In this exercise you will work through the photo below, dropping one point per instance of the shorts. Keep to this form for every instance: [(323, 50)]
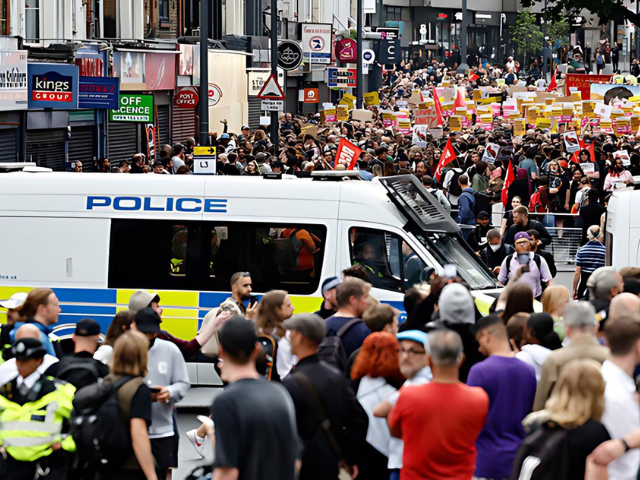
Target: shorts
[(165, 451)]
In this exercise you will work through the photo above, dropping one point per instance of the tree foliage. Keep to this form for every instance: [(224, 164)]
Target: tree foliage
[(558, 31), (527, 35), (605, 9)]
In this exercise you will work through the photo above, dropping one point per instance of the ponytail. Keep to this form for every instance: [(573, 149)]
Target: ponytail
[(35, 298)]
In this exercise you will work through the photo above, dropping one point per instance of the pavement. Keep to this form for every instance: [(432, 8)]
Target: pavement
[(188, 459)]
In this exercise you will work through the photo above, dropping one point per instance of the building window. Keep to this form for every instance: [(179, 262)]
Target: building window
[(163, 7), (32, 20), (393, 14)]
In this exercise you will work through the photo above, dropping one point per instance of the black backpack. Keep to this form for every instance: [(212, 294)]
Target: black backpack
[(543, 455), (285, 252), (454, 186), (331, 349), (266, 362), (79, 372), (482, 203), (100, 426)]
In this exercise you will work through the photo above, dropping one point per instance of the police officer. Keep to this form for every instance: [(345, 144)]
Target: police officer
[(34, 419)]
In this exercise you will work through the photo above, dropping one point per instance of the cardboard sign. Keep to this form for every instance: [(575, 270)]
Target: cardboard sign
[(348, 100), (543, 123), (371, 99), (362, 115), (419, 137), (342, 113), (623, 126), (404, 127), (455, 123), (389, 120), (606, 125), (330, 115), (623, 155), (519, 127), (491, 152), (571, 141)]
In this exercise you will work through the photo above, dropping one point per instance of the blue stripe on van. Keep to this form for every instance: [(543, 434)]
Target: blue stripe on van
[(103, 321), (88, 310), (86, 295)]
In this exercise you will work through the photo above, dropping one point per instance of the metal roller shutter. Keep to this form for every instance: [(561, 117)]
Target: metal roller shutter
[(123, 142), (255, 112), (183, 125), (46, 148), (163, 126), (81, 147), (9, 145)]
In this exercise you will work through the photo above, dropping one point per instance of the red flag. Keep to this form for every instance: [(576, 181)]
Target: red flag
[(473, 77), (507, 182), (347, 154), (575, 158), (448, 156), (436, 103), (553, 84), (460, 100)]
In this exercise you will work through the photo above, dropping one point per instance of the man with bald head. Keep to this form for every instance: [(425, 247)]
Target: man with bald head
[(624, 305), (9, 370)]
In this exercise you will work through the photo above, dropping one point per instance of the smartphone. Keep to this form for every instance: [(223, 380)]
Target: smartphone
[(523, 259), (252, 300), (450, 271), (155, 390)]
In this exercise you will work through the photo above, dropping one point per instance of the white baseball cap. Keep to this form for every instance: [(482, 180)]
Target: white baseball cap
[(16, 300)]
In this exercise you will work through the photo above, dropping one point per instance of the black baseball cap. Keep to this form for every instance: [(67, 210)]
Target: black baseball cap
[(147, 320), (238, 337), (87, 328), (483, 216), (27, 348), (486, 322)]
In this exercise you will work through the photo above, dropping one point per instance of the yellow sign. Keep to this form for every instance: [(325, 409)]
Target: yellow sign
[(543, 123), (348, 100), (635, 122), (486, 118), (532, 115), (343, 113), (371, 99), (477, 95), (635, 98), (455, 123), (519, 127), (204, 151)]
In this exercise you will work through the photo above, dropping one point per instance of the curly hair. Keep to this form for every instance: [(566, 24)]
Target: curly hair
[(378, 357)]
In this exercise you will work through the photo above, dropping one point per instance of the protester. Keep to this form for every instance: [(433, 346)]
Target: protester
[(452, 413), (603, 285), (496, 251), (539, 340), (41, 308), (522, 223), (329, 304), (589, 258), (120, 324), (13, 316), (554, 301), (548, 256)]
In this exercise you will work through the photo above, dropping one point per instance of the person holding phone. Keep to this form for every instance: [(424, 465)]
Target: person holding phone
[(534, 268)]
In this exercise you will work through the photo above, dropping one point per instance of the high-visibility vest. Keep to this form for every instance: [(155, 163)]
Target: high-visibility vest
[(28, 431), (618, 79)]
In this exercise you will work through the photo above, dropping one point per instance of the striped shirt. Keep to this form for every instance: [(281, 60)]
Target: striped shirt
[(591, 256)]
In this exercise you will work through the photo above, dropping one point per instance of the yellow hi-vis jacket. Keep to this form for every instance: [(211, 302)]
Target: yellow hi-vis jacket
[(28, 431)]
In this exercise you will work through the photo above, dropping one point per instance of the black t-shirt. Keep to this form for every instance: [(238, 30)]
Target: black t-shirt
[(256, 430), (581, 442), (141, 404)]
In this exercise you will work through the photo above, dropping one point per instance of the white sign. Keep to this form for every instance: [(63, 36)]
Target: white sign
[(571, 142), (316, 42), (256, 80), (13, 80), (273, 105), (368, 56), (215, 94), (203, 166), (490, 153)]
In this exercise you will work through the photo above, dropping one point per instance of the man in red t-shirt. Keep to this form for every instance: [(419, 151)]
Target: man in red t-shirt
[(440, 421)]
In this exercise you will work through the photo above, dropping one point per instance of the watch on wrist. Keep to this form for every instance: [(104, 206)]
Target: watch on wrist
[(626, 445)]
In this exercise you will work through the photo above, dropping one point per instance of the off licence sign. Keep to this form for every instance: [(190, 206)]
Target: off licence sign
[(133, 108)]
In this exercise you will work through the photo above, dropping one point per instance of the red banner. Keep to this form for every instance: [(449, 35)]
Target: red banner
[(583, 83), (347, 154)]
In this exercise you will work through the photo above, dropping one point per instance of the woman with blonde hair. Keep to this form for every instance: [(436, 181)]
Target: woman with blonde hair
[(275, 307), (571, 423), (131, 359), (554, 300)]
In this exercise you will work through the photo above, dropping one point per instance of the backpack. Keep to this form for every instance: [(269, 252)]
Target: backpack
[(100, 421), (331, 349), (267, 361), (535, 204), (482, 203), (285, 252), (454, 186), (79, 372), (536, 258), (543, 455)]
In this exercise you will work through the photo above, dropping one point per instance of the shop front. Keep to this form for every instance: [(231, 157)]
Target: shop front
[(13, 102)]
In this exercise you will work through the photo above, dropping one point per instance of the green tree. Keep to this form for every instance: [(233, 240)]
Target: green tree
[(558, 31), (605, 9), (527, 36)]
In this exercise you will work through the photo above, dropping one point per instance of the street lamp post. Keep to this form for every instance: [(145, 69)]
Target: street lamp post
[(359, 66), (544, 42), (274, 68), (204, 72)]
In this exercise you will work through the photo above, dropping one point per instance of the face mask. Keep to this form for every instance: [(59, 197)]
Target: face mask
[(494, 247)]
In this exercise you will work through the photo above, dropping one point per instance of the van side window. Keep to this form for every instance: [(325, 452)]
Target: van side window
[(390, 262), (203, 255)]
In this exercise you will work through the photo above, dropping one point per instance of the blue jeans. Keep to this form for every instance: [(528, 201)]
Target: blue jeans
[(395, 475)]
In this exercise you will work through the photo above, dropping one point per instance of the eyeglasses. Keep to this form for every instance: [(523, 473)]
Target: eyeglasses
[(522, 242), (411, 351)]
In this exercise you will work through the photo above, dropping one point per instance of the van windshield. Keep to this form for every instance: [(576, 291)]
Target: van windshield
[(447, 249)]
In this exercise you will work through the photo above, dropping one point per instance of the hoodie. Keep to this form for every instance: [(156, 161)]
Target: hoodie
[(45, 331), (534, 355)]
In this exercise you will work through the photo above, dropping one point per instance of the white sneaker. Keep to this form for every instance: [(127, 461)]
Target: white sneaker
[(196, 441)]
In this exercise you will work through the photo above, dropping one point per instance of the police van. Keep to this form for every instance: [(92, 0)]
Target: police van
[(622, 232), (96, 238)]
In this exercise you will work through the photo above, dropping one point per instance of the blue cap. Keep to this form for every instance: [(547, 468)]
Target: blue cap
[(224, 135), (330, 283), (417, 336)]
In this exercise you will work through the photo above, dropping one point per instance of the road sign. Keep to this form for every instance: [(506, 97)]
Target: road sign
[(289, 54), (271, 90), (368, 56), (273, 105), (204, 160)]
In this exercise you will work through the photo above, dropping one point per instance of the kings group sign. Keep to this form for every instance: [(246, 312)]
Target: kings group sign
[(53, 86), (186, 97), (583, 83)]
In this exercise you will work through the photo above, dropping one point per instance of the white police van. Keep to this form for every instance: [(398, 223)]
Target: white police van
[(96, 238)]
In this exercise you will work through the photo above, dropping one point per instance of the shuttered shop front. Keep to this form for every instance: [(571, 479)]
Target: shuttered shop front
[(9, 145), (82, 147), (183, 125), (46, 148), (123, 142), (163, 137), (255, 112)]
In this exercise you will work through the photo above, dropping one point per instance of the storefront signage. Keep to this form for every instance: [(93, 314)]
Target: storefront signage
[(90, 67), (99, 93), (215, 94), (289, 55), (341, 77), (13, 80), (347, 50), (388, 33), (53, 86), (389, 51), (186, 97), (133, 108), (316, 42), (311, 95)]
